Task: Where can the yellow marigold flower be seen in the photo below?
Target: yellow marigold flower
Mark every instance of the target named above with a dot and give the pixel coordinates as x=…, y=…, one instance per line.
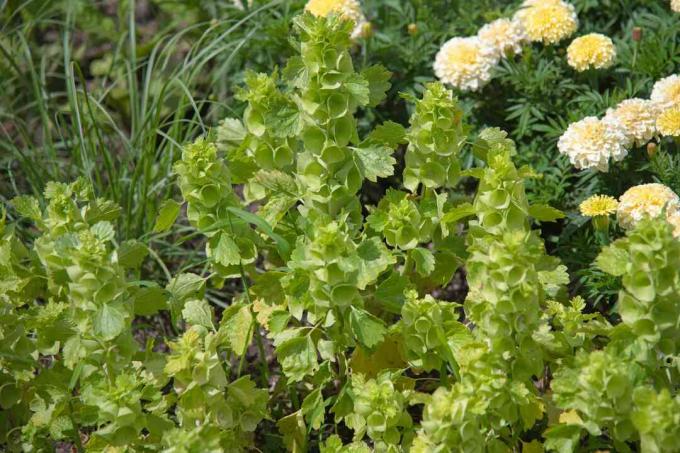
x=549, y=21
x=505, y=36
x=591, y=143
x=668, y=123
x=675, y=5
x=645, y=200
x=598, y=205
x=638, y=119
x=666, y=92
x=348, y=9
x=465, y=63
x=593, y=51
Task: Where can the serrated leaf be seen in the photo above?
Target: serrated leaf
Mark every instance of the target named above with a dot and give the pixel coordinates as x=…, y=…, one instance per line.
x=375, y=162
x=237, y=326
x=489, y=138
x=103, y=230
x=552, y=281
x=378, y=83
x=184, y=286
x=100, y=210
x=231, y=131
x=358, y=88
x=423, y=259
x=283, y=120
x=313, y=407
x=367, y=329
x=297, y=357
x=390, y=293
x=375, y=259
x=278, y=321
x=326, y=349
x=294, y=431
x=226, y=251
x=276, y=208
x=276, y=181
x=27, y=206
x=613, y=260
x=562, y=438
x=131, y=254
x=167, y=215
x=545, y=213
x=149, y=301
x=109, y=322
x=197, y=312
x=389, y=133
x=570, y=417
x=242, y=166
x=388, y=354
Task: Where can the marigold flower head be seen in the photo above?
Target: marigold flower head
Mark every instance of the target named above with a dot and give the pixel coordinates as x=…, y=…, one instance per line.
x=591, y=143
x=668, y=123
x=240, y=4
x=638, y=119
x=598, y=205
x=548, y=21
x=666, y=92
x=505, y=36
x=527, y=3
x=465, y=63
x=645, y=200
x=348, y=9
x=674, y=219
x=675, y=6
x=592, y=51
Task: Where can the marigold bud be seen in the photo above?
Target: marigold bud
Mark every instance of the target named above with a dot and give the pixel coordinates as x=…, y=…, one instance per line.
x=637, y=34
x=651, y=149
x=367, y=30
x=412, y=29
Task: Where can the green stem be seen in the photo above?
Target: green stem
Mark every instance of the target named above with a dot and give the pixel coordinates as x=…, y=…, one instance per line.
x=245, y=350
x=444, y=375
x=263, y=357
x=76, y=427
x=295, y=401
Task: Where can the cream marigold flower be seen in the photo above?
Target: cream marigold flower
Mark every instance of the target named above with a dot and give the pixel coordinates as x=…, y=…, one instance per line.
x=240, y=4
x=591, y=143
x=592, y=51
x=598, y=205
x=666, y=92
x=675, y=6
x=465, y=63
x=526, y=3
x=674, y=219
x=547, y=21
x=505, y=36
x=645, y=200
x=638, y=119
x=668, y=123
x=348, y=9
